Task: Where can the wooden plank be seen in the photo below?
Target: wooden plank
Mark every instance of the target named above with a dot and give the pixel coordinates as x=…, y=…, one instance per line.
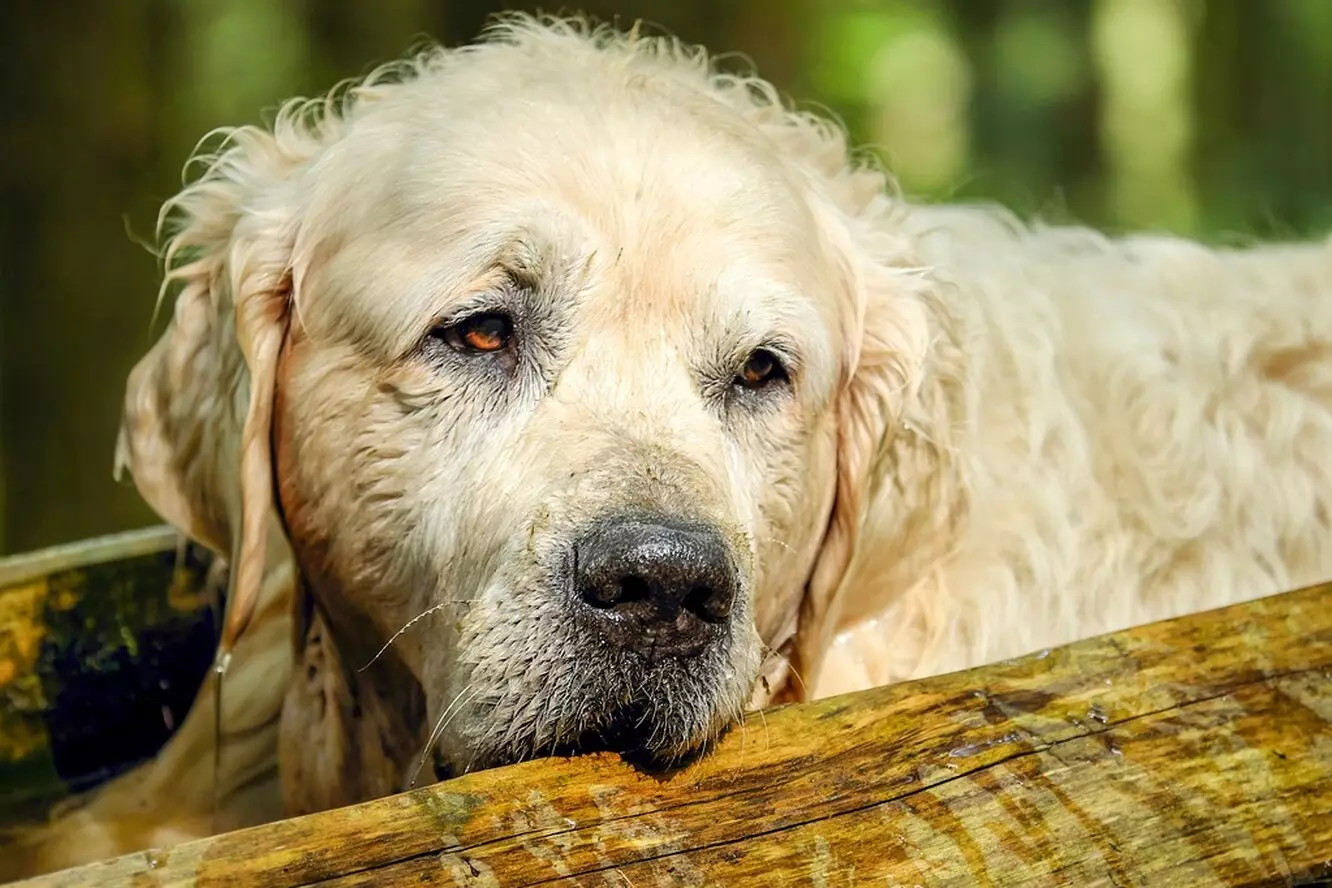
x=1192, y=752
x=26, y=567
x=103, y=645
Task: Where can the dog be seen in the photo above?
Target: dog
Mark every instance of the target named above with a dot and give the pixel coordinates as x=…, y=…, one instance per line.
x=563, y=392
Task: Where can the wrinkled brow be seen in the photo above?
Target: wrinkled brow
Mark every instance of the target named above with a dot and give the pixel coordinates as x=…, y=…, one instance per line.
x=750, y=307
x=385, y=291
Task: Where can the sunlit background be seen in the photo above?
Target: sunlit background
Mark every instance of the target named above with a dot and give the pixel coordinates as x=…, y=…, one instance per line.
x=1205, y=118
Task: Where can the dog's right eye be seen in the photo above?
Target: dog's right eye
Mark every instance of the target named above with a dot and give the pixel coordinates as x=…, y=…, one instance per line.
x=485, y=333
x=761, y=369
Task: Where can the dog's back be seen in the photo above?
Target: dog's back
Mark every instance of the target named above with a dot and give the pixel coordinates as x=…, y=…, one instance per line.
x=1141, y=430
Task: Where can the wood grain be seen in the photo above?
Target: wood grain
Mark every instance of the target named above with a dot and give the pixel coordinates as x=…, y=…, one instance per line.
x=1192, y=752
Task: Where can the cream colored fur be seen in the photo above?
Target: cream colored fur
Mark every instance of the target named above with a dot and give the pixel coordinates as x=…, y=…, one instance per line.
x=1137, y=431
x=1004, y=437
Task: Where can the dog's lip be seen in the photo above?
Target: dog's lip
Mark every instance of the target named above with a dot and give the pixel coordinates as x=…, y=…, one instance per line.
x=622, y=734
x=642, y=726
x=627, y=733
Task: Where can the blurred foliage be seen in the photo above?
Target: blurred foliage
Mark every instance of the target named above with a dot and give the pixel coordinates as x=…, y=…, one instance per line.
x=1206, y=117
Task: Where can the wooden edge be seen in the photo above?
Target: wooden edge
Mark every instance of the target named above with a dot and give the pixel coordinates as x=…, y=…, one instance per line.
x=1195, y=751
x=29, y=566
x=103, y=646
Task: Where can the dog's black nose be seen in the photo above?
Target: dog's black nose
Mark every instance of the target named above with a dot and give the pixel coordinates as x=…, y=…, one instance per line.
x=657, y=585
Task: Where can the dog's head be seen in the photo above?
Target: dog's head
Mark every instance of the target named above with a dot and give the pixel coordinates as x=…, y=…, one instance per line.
x=564, y=352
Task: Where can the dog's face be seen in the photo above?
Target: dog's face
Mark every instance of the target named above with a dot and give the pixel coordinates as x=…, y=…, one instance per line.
x=559, y=375
x=567, y=366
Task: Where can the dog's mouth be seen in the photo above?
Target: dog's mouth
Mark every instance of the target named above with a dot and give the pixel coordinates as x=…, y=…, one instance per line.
x=629, y=733
x=626, y=732
x=662, y=720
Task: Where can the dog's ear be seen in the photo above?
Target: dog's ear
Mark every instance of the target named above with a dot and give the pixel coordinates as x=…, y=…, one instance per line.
x=350, y=726
x=891, y=337
x=195, y=433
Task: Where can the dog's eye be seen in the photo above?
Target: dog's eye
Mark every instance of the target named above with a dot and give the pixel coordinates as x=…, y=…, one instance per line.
x=483, y=333
x=763, y=368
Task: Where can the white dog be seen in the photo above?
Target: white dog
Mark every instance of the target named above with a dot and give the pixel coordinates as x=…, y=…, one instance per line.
x=582, y=386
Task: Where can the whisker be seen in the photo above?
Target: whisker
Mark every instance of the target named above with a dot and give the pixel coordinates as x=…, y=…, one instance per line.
x=435, y=734
x=456, y=713
x=804, y=688
x=544, y=732
x=643, y=716
x=744, y=739
x=773, y=652
x=410, y=623
x=767, y=738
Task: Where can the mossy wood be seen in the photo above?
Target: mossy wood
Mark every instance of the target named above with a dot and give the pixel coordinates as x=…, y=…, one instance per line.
x=1192, y=752
x=103, y=645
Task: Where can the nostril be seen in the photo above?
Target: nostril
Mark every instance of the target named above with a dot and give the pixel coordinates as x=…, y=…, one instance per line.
x=707, y=603
x=623, y=590
x=602, y=594
x=634, y=589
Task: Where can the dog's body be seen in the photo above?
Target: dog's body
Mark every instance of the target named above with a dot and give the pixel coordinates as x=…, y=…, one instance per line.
x=1137, y=433
x=949, y=438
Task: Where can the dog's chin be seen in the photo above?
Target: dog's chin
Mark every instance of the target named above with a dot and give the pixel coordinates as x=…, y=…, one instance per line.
x=631, y=733
x=622, y=734
x=667, y=723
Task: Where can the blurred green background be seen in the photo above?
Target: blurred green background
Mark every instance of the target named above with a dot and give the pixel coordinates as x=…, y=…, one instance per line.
x=1204, y=117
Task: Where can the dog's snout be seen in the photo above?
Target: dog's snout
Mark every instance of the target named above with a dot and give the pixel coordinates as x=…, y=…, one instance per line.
x=659, y=585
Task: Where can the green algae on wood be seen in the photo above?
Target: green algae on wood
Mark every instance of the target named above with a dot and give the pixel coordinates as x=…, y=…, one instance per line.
x=103, y=644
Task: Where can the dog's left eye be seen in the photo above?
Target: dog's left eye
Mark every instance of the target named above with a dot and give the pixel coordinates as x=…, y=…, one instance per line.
x=761, y=369
x=483, y=333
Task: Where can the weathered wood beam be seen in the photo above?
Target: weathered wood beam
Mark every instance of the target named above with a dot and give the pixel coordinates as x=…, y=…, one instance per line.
x=1191, y=752
x=103, y=645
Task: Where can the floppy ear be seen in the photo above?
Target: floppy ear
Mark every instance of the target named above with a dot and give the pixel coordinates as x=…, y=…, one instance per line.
x=894, y=344
x=198, y=437
x=347, y=732
x=198, y=407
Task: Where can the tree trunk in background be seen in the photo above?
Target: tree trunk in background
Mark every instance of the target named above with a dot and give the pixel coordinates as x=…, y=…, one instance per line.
x=348, y=39
x=80, y=86
x=1053, y=177
x=1264, y=90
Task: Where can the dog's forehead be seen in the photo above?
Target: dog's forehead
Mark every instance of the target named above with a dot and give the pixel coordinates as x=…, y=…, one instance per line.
x=617, y=145
x=654, y=195
x=634, y=167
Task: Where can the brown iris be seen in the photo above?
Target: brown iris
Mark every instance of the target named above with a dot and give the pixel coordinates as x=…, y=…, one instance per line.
x=481, y=333
x=760, y=369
